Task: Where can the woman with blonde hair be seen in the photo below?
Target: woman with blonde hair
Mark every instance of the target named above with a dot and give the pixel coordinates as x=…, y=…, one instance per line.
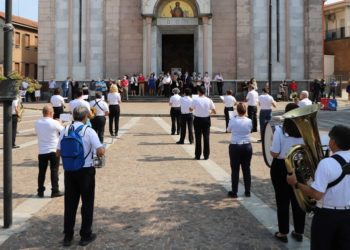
x=114, y=100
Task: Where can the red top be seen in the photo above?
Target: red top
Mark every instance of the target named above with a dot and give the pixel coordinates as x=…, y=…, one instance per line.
x=293, y=86
x=124, y=83
x=141, y=80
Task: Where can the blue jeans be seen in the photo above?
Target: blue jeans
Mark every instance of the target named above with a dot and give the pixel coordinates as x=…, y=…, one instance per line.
x=264, y=117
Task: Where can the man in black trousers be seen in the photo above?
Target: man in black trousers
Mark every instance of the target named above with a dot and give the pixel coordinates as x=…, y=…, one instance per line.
x=202, y=107
x=186, y=117
x=81, y=183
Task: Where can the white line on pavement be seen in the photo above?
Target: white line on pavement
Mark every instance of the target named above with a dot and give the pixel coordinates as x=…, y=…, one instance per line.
x=260, y=210
x=30, y=206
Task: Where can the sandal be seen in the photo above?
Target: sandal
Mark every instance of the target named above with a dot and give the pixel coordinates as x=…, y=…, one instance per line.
x=297, y=236
x=280, y=237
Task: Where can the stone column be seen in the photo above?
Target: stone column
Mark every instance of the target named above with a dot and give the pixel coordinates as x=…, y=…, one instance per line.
x=205, y=21
x=148, y=45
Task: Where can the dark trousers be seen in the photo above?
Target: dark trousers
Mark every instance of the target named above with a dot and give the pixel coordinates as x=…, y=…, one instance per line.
x=57, y=111
x=284, y=196
x=264, y=117
x=202, y=128
x=316, y=96
x=330, y=229
x=98, y=124
x=227, y=117
x=240, y=156
x=175, y=114
x=252, y=115
x=186, y=119
x=166, y=90
x=14, y=129
x=114, y=114
x=219, y=84
x=78, y=184
x=332, y=91
x=44, y=159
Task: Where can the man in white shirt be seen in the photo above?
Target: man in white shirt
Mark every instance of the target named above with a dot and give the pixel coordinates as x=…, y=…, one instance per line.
x=252, y=102
x=25, y=86
x=266, y=102
x=47, y=130
x=202, y=107
x=175, y=111
x=166, y=84
x=99, y=121
x=78, y=101
x=330, y=227
x=304, y=99
x=219, y=82
x=186, y=117
x=52, y=86
x=15, y=114
x=80, y=184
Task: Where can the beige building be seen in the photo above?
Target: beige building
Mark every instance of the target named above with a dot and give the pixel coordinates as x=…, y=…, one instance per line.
x=337, y=37
x=93, y=39
x=25, y=46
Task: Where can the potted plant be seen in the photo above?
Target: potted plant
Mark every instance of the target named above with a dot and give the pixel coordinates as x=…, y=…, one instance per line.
x=9, y=86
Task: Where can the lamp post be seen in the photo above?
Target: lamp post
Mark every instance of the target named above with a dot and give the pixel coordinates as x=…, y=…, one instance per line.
x=7, y=175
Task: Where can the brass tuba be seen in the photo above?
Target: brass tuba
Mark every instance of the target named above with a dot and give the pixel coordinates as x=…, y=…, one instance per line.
x=303, y=159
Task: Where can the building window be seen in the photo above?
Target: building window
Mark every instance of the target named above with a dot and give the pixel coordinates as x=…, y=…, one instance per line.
x=26, y=40
x=26, y=70
x=36, y=42
x=17, y=39
x=17, y=67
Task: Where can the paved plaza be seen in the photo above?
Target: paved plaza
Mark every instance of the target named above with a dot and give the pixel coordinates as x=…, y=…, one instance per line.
x=151, y=194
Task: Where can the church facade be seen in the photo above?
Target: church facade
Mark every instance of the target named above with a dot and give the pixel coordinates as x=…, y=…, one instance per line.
x=92, y=39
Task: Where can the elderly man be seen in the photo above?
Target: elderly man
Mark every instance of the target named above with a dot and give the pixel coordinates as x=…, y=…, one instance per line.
x=47, y=130
x=81, y=183
x=304, y=99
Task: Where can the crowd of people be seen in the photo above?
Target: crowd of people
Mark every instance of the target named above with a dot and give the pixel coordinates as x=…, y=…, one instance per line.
x=191, y=109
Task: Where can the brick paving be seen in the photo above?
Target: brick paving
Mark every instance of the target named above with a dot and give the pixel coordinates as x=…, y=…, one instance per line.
x=151, y=194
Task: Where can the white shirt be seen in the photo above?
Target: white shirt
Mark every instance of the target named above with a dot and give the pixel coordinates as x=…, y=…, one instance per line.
x=91, y=142
x=52, y=84
x=252, y=98
x=114, y=98
x=281, y=143
x=202, y=106
x=15, y=104
x=327, y=171
x=206, y=80
x=229, y=101
x=101, y=107
x=218, y=78
x=185, y=103
x=57, y=101
x=266, y=101
x=78, y=102
x=166, y=80
x=25, y=85
x=175, y=101
x=240, y=128
x=304, y=102
x=47, y=130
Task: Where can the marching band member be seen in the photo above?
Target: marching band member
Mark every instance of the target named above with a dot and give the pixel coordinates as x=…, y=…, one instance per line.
x=283, y=139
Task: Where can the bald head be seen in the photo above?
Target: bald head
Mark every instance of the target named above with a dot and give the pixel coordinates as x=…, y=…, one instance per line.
x=48, y=111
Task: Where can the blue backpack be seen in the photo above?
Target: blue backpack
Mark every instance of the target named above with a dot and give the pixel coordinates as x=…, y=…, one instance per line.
x=72, y=149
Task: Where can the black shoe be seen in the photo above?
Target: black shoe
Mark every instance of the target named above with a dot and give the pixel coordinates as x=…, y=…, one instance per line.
x=40, y=194
x=86, y=241
x=247, y=194
x=297, y=237
x=206, y=158
x=197, y=158
x=259, y=140
x=282, y=238
x=180, y=142
x=56, y=194
x=67, y=241
x=15, y=146
x=191, y=142
x=173, y=133
x=112, y=134
x=232, y=194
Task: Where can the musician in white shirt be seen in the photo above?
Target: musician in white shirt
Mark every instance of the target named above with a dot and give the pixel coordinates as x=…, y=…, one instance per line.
x=186, y=117
x=114, y=101
x=175, y=111
x=99, y=121
x=229, y=102
x=304, y=99
x=252, y=102
x=266, y=103
x=57, y=102
x=330, y=227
